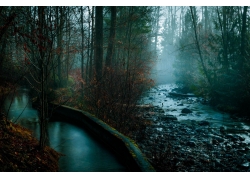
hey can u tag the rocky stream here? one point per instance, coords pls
(186, 134)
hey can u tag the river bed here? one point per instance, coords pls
(159, 96)
(186, 135)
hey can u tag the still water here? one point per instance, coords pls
(82, 152)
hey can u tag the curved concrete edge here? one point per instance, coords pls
(125, 148)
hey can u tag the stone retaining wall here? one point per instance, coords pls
(124, 148)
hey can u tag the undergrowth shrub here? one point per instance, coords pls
(114, 98)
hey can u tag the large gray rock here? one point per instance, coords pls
(186, 110)
(204, 123)
(168, 117)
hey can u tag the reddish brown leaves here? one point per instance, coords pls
(20, 152)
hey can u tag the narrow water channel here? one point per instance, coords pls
(82, 152)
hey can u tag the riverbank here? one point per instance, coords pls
(20, 151)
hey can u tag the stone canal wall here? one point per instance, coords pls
(125, 149)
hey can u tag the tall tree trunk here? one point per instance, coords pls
(98, 42)
(88, 47)
(224, 36)
(157, 27)
(243, 38)
(206, 20)
(224, 24)
(91, 45)
(182, 21)
(60, 24)
(111, 37)
(43, 123)
(68, 44)
(128, 37)
(82, 50)
(198, 47)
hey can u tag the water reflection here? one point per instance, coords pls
(82, 152)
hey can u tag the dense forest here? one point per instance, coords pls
(101, 59)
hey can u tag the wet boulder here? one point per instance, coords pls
(199, 130)
(161, 111)
(245, 165)
(222, 129)
(186, 111)
(168, 117)
(233, 138)
(191, 144)
(247, 157)
(214, 141)
(204, 123)
(218, 139)
(241, 138)
(238, 138)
